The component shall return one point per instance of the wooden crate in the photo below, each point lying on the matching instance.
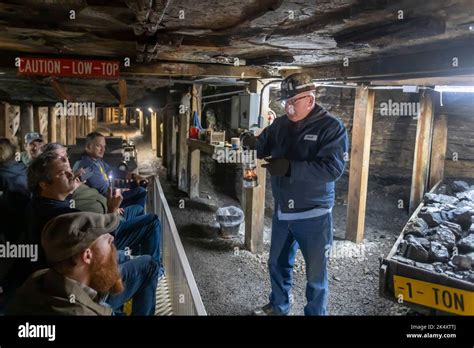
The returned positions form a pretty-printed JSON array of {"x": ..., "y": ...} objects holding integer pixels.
[{"x": 215, "y": 138}]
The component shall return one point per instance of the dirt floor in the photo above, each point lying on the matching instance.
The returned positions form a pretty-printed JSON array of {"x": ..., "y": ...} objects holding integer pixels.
[{"x": 232, "y": 281}]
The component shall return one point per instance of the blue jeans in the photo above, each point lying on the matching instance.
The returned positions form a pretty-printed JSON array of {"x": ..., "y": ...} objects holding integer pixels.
[
  {"x": 133, "y": 211},
  {"x": 139, "y": 277},
  {"x": 314, "y": 237},
  {"x": 136, "y": 195},
  {"x": 141, "y": 235}
]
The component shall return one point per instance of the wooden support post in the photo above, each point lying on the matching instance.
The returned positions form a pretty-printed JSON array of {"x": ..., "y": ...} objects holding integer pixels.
[
  {"x": 438, "y": 151},
  {"x": 170, "y": 139},
  {"x": 36, "y": 119},
  {"x": 90, "y": 125},
  {"x": 254, "y": 198},
  {"x": 78, "y": 120},
  {"x": 183, "y": 134},
  {"x": 5, "y": 131},
  {"x": 421, "y": 160},
  {"x": 159, "y": 135},
  {"x": 71, "y": 129},
  {"x": 153, "y": 131},
  {"x": 359, "y": 163},
  {"x": 62, "y": 138},
  {"x": 94, "y": 123},
  {"x": 52, "y": 124},
  {"x": 164, "y": 135},
  {"x": 107, "y": 116},
  {"x": 26, "y": 121},
  {"x": 195, "y": 154}
]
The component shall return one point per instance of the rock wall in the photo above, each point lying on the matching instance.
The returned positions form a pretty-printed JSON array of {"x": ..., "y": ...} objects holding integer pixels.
[{"x": 393, "y": 137}]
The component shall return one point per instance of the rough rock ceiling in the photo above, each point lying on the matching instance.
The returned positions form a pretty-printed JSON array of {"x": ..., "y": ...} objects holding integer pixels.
[
  {"x": 286, "y": 32},
  {"x": 264, "y": 33}
]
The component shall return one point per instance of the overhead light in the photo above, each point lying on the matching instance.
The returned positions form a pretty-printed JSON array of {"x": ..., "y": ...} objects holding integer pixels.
[
  {"x": 410, "y": 89},
  {"x": 138, "y": 109},
  {"x": 150, "y": 109},
  {"x": 455, "y": 89}
]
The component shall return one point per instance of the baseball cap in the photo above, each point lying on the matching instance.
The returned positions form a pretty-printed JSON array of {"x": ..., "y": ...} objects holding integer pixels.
[
  {"x": 295, "y": 84},
  {"x": 68, "y": 234},
  {"x": 32, "y": 136}
]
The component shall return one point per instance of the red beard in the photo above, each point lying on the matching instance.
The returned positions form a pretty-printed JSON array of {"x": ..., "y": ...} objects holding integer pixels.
[{"x": 105, "y": 275}]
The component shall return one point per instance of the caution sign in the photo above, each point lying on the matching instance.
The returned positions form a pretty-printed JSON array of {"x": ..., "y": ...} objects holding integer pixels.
[
  {"x": 69, "y": 67},
  {"x": 434, "y": 295}
]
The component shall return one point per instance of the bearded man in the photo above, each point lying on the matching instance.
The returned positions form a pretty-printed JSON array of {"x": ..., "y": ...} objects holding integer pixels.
[{"x": 84, "y": 277}]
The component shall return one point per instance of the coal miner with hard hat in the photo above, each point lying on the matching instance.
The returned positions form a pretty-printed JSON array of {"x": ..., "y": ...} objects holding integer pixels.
[{"x": 305, "y": 151}]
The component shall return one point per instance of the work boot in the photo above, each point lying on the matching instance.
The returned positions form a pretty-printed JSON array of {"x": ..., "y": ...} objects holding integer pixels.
[{"x": 266, "y": 310}]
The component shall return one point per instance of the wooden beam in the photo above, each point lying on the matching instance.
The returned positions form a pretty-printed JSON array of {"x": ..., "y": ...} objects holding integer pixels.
[
  {"x": 421, "y": 160},
  {"x": 60, "y": 91},
  {"x": 52, "y": 124},
  {"x": 123, "y": 91},
  {"x": 185, "y": 69},
  {"x": 70, "y": 125},
  {"x": 164, "y": 136},
  {"x": 195, "y": 144},
  {"x": 452, "y": 59},
  {"x": 359, "y": 163},
  {"x": 153, "y": 131},
  {"x": 172, "y": 144},
  {"x": 159, "y": 134},
  {"x": 438, "y": 151},
  {"x": 4, "y": 124},
  {"x": 26, "y": 120},
  {"x": 62, "y": 136},
  {"x": 195, "y": 154},
  {"x": 36, "y": 119},
  {"x": 254, "y": 198},
  {"x": 183, "y": 134}
]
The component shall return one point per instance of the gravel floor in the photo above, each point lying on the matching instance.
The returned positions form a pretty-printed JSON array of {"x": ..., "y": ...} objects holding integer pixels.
[{"x": 232, "y": 281}]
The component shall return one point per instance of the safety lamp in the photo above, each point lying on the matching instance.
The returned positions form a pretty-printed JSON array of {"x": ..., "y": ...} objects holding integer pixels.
[{"x": 250, "y": 173}]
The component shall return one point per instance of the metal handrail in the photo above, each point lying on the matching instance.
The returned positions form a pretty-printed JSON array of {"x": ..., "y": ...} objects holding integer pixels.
[{"x": 185, "y": 296}]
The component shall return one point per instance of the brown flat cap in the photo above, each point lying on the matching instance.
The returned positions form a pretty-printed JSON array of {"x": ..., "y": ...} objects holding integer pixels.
[{"x": 68, "y": 234}]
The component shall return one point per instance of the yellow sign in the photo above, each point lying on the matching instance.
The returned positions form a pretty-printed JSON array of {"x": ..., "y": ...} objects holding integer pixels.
[{"x": 434, "y": 295}]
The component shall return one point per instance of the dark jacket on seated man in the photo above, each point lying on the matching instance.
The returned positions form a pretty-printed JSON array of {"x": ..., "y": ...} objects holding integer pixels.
[
  {"x": 13, "y": 177},
  {"x": 47, "y": 292}
]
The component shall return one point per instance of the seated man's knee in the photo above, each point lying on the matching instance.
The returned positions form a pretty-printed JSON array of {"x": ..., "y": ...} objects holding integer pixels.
[{"x": 148, "y": 266}]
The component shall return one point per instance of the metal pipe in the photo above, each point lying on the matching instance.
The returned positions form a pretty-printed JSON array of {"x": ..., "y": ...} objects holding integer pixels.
[
  {"x": 261, "y": 97},
  {"x": 222, "y": 94},
  {"x": 215, "y": 101}
]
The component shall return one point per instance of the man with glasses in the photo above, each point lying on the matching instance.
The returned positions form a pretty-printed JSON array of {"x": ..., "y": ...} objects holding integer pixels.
[{"x": 305, "y": 153}]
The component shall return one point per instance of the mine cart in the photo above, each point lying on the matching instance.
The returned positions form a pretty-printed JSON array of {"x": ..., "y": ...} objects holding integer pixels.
[{"x": 421, "y": 286}]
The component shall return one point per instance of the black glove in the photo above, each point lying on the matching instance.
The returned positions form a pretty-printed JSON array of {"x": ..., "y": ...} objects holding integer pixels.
[
  {"x": 277, "y": 166},
  {"x": 248, "y": 140}
]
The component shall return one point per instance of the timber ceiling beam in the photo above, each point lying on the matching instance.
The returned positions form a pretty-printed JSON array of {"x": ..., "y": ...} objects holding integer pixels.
[
  {"x": 457, "y": 60},
  {"x": 184, "y": 69},
  {"x": 60, "y": 91}
]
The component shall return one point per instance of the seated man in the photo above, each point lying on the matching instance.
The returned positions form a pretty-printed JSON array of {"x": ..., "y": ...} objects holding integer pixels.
[
  {"x": 86, "y": 198},
  {"x": 14, "y": 198},
  {"x": 100, "y": 171},
  {"x": 51, "y": 180},
  {"x": 33, "y": 143},
  {"x": 84, "y": 277}
]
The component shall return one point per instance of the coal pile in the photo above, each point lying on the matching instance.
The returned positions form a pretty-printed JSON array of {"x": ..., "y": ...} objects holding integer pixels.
[{"x": 441, "y": 238}]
